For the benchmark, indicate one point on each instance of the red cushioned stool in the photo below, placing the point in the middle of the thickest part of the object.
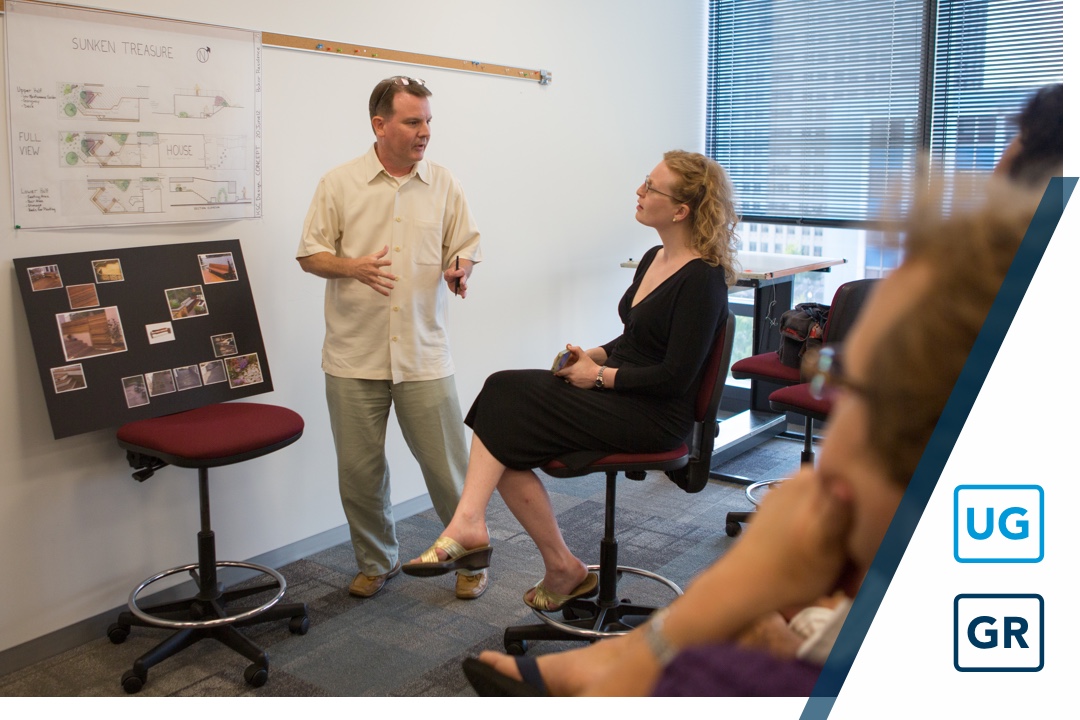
(203, 438)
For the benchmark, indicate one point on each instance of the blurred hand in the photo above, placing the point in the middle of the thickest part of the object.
(796, 542)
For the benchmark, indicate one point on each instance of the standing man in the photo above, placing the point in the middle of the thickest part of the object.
(392, 234)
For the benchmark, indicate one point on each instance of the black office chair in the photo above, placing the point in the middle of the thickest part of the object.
(206, 437)
(687, 466)
(795, 397)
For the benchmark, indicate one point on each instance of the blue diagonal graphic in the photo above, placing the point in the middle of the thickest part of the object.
(941, 443)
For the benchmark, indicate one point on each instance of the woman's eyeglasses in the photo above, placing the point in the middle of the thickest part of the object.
(649, 188)
(401, 80)
(825, 369)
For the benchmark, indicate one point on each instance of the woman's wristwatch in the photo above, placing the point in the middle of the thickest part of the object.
(599, 384)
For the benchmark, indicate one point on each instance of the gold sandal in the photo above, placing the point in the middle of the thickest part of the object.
(546, 601)
(458, 558)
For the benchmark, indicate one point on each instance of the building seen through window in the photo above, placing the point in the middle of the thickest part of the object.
(822, 110)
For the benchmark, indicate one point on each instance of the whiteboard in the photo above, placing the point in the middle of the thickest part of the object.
(118, 119)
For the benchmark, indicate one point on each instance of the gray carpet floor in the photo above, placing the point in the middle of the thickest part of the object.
(410, 639)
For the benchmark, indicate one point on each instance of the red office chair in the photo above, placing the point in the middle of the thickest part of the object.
(795, 397)
(203, 438)
(688, 466)
(766, 367)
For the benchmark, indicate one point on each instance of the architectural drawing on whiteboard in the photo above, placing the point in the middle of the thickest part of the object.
(101, 102)
(119, 197)
(204, 191)
(105, 102)
(198, 104)
(125, 126)
(152, 150)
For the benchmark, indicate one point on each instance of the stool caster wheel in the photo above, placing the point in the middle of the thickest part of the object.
(117, 633)
(732, 529)
(131, 682)
(299, 625)
(256, 675)
(516, 647)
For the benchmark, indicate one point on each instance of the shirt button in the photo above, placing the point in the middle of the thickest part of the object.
(396, 308)
(397, 219)
(397, 248)
(394, 339)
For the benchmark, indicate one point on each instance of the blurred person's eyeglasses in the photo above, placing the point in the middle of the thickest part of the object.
(825, 369)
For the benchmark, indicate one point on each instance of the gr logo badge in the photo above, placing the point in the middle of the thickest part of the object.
(998, 633)
(998, 524)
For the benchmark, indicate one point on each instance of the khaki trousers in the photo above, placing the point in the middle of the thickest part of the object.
(429, 415)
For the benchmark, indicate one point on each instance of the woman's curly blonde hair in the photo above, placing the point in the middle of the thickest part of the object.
(705, 188)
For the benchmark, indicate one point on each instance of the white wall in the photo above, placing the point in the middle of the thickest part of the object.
(550, 173)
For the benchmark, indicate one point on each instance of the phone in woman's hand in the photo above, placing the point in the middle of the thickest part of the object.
(561, 360)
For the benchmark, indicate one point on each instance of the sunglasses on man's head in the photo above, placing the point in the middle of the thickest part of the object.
(403, 81)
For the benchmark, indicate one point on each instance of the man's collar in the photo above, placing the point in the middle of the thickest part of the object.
(373, 166)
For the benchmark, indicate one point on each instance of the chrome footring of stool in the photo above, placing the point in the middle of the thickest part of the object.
(753, 488)
(587, 634)
(213, 622)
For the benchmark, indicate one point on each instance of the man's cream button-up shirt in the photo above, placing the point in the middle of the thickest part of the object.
(359, 209)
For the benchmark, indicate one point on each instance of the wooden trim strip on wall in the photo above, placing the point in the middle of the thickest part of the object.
(366, 52)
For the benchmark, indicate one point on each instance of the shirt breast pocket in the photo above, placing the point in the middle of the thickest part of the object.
(428, 242)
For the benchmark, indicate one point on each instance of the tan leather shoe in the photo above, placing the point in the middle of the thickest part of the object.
(470, 587)
(367, 585)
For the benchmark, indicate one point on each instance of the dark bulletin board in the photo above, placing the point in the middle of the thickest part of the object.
(123, 335)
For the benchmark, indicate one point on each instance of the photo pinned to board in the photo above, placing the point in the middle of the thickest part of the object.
(187, 302)
(243, 370)
(160, 332)
(89, 333)
(224, 344)
(213, 372)
(45, 277)
(218, 267)
(68, 378)
(187, 377)
(107, 271)
(82, 296)
(160, 382)
(135, 392)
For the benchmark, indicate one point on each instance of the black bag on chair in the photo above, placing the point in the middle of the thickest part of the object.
(801, 328)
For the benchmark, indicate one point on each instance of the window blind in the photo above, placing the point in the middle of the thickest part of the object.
(819, 108)
(990, 56)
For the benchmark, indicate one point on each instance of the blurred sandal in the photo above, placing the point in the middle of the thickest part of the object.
(489, 682)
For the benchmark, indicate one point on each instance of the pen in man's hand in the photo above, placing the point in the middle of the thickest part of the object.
(457, 280)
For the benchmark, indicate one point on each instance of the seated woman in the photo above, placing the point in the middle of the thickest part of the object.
(820, 529)
(636, 393)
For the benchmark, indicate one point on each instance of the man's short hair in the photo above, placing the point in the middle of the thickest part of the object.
(381, 102)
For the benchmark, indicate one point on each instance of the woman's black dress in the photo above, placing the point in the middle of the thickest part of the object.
(528, 417)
